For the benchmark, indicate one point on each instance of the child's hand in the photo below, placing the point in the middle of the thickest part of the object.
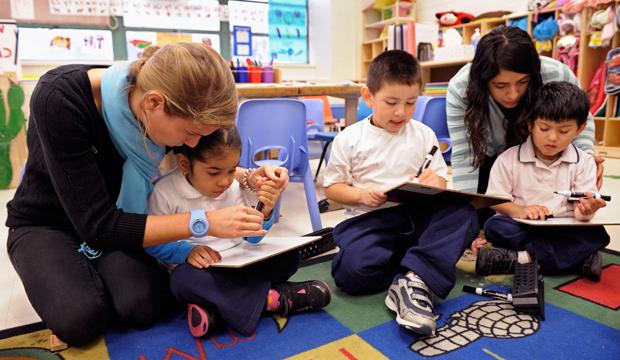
(202, 256)
(589, 205)
(533, 212)
(268, 172)
(430, 178)
(268, 194)
(372, 197)
(477, 244)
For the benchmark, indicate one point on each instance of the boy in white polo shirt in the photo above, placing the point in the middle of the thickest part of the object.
(530, 173)
(411, 249)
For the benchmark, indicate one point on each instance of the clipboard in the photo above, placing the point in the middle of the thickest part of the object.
(597, 220)
(409, 192)
(247, 253)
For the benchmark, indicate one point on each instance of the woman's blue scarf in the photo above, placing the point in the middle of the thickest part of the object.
(142, 156)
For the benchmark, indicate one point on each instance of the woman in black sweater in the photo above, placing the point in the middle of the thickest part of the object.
(78, 222)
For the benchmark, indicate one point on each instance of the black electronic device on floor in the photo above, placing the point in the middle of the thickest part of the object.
(528, 292)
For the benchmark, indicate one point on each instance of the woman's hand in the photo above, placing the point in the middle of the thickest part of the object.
(268, 194)
(587, 206)
(372, 197)
(534, 212)
(235, 221)
(599, 170)
(202, 256)
(277, 174)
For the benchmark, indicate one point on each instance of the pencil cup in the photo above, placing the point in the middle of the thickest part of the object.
(268, 74)
(255, 74)
(242, 74)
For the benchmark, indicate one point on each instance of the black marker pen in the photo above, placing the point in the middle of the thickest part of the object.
(487, 292)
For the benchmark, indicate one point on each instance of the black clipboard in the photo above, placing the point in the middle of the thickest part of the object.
(408, 192)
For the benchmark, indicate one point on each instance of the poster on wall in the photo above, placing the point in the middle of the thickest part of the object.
(288, 31)
(252, 14)
(138, 40)
(173, 14)
(8, 47)
(39, 44)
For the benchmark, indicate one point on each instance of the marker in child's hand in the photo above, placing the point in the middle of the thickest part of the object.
(426, 163)
(574, 196)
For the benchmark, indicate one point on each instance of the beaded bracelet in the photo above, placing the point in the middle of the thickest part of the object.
(244, 183)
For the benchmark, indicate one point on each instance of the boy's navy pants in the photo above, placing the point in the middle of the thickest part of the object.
(428, 240)
(239, 295)
(556, 248)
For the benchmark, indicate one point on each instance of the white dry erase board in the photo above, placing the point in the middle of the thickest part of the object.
(247, 253)
(408, 192)
(597, 220)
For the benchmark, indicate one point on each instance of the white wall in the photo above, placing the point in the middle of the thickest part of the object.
(335, 38)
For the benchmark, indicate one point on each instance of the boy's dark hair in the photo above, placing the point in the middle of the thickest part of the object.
(560, 101)
(212, 145)
(393, 66)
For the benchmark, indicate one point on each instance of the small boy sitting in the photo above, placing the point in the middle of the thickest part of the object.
(411, 249)
(530, 174)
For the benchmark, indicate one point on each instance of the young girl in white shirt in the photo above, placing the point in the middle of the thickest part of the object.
(205, 179)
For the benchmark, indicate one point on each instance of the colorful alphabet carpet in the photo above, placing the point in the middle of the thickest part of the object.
(582, 321)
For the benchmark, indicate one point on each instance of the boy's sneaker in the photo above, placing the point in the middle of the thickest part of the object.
(592, 266)
(199, 320)
(492, 261)
(408, 298)
(302, 296)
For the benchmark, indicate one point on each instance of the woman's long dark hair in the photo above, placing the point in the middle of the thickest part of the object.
(508, 48)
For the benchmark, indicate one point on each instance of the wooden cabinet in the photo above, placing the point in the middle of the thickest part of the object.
(375, 21)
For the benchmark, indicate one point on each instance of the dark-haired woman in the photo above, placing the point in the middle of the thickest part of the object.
(489, 101)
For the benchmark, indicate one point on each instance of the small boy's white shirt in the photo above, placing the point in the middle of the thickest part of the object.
(364, 156)
(527, 180)
(173, 194)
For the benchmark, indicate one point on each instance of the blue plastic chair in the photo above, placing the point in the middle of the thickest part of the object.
(420, 105)
(363, 111)
(432, 112)
(267, 125)
(316, 129)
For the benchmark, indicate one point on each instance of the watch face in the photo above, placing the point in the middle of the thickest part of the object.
(199, 227)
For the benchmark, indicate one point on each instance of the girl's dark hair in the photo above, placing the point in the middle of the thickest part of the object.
(211, 146)
(561, 101)
(508, 48)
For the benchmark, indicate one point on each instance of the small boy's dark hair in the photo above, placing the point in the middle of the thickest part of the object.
(212, 145)
(393, 66)
(560, 101)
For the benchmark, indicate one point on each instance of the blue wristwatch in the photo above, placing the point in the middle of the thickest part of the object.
(198, 223)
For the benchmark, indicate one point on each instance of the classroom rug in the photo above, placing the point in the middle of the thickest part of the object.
(581, 321)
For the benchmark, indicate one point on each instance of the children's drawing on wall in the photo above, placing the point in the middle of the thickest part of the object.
(137, 41)
(173, 14)
(8, 47)
(288, 36)
(38, 44)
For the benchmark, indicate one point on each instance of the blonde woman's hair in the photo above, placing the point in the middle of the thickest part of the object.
(194, 80)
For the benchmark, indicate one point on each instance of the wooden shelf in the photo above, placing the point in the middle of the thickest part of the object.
(373, 41)
(440, 63)
(392, 21)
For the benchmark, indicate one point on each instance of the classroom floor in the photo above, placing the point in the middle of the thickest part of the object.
(15, 309)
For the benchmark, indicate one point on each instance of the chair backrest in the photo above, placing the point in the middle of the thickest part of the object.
(363, 111)
(274, 124)
(328, 117)
(314, 116)
(434, 116)
(420, 106)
